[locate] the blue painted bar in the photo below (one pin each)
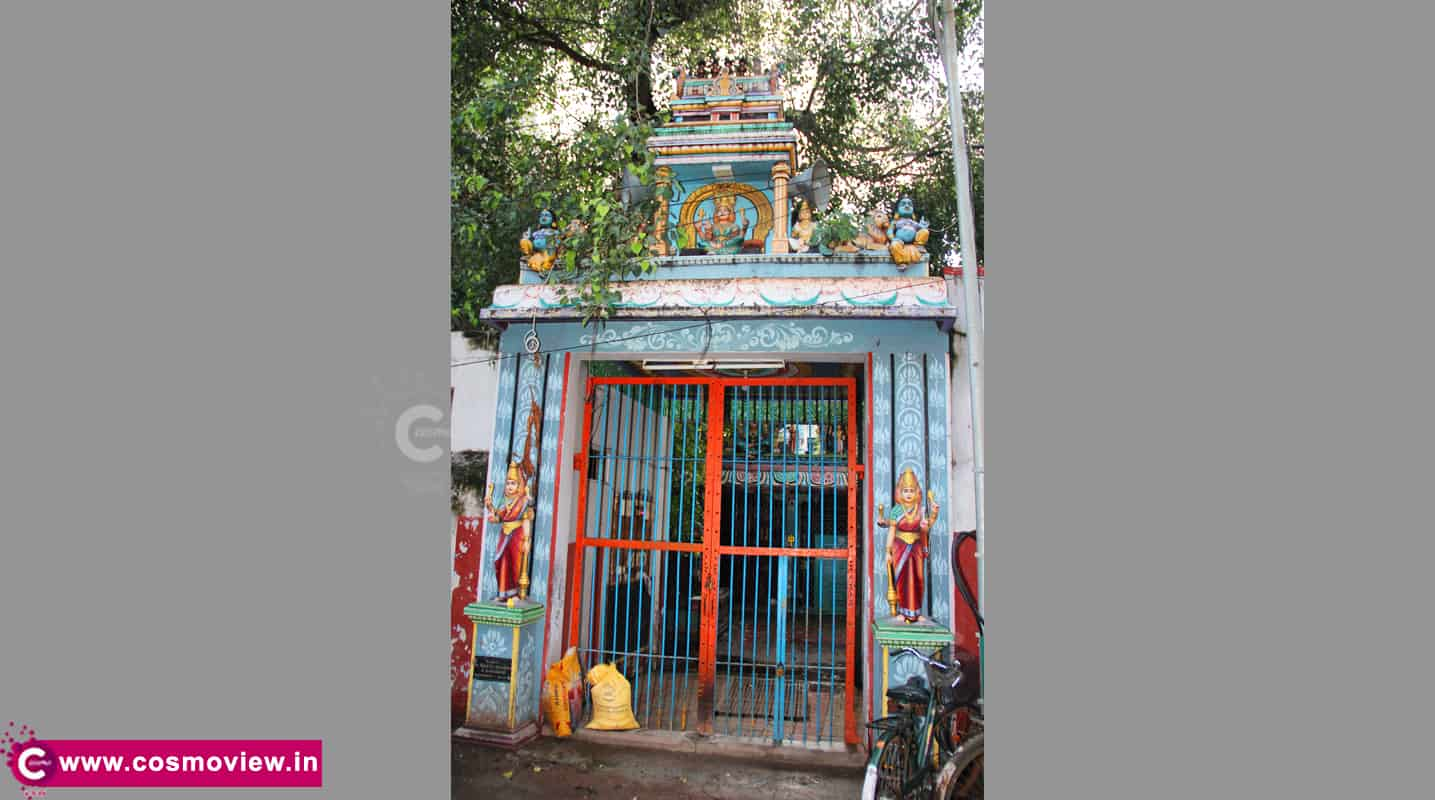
(772, 631)
(811, 408)
(660, 565)
(822, 580)
(625, 556)
(648, 532)
(657, 631)
(616, 409)
(681, 441)
(743, 599)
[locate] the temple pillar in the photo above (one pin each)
(780, 173)
(660, 217)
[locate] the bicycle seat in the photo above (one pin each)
(911, 693)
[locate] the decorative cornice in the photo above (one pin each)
(501, 614)
(892, 632)
(912, 297)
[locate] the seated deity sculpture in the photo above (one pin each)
(875, 237)
(723, 234)
(909, 237)
(801, 233)
(540, 247)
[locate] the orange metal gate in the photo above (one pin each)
(703, 502)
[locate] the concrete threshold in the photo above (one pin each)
(834, 756)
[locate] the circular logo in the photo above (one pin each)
(33, 763)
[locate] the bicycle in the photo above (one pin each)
(933, 745)
(962, 775)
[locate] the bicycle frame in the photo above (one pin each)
(926, 759)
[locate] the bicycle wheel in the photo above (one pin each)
(961, 777)
(890, 765)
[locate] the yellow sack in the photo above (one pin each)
(573, 680)
(612, 700)
(555, 702)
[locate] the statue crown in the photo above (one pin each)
(908, 480)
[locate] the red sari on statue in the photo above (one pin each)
(909, 553)
(508, 557)
(907, 550)
(516, 519)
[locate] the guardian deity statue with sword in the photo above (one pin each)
(515, 516)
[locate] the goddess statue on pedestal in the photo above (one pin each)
(907, 549)
(515, 541)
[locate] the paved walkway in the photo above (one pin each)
(551, 769)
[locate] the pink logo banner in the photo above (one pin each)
(163, 763)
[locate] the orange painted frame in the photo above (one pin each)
(711, 548)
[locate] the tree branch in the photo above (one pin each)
(542, 35)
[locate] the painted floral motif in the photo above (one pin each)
(528, 673)
(911, 426)
(910, 293)
(492, 643)
(725, 336)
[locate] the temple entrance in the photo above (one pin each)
(716, 557)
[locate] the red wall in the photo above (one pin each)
(964, 625)
(468, 547)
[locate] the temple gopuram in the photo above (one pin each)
(740, 492)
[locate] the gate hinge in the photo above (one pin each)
(578, 461)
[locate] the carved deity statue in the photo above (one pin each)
(515, 540)
(907, 548)
(802, 229)
(909, 236)
(875, 237)
(723, 234)
(540, 247)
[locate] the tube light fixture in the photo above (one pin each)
(664, 366)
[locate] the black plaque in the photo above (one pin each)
(487, 668)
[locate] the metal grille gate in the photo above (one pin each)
(716, 564)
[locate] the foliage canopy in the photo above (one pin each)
(551, 102)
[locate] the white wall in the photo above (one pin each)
(474, 396)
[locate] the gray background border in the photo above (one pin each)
(226, 275)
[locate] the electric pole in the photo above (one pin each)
(946, 23)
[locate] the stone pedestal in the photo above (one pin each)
(504, 680)
(893, 634)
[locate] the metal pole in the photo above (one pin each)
(971, 310)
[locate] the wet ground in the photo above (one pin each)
(552, 769)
